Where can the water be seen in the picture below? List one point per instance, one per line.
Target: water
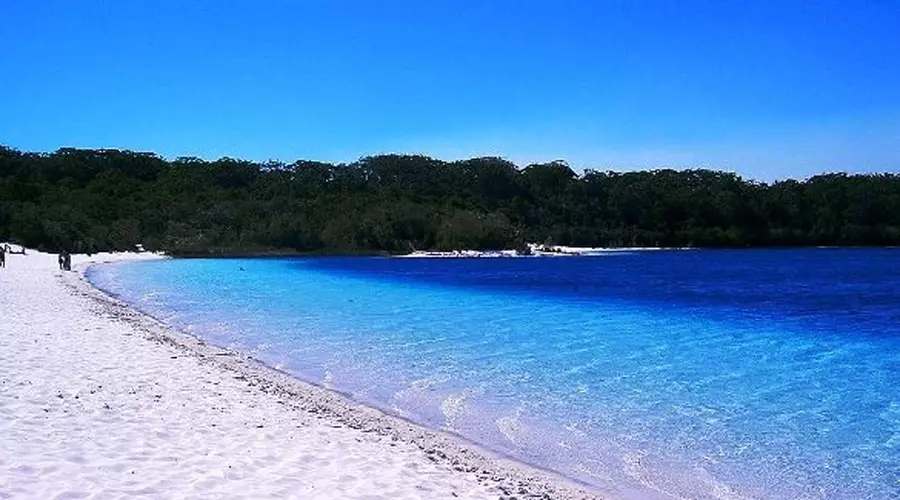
(696, 374)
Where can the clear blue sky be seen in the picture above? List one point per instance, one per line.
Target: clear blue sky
(768, 89)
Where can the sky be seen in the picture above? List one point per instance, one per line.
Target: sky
(768, 89)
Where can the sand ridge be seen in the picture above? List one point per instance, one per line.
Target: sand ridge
(100, 401)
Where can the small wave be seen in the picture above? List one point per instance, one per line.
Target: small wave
(415, 391)
(511, 427)
(452, 406)
(260, 348)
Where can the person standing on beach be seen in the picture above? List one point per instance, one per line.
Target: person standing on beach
(2, 255)
(64, 260)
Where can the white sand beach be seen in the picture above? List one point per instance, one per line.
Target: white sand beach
(534, 250)
(99, 401)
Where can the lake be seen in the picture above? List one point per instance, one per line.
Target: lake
(651, 374)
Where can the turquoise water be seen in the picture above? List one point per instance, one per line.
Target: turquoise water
(702, 374)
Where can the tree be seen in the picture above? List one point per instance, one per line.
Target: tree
(91, 200)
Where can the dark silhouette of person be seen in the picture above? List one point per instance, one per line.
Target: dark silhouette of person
(2, 255)
(68, 262)
(61, 260)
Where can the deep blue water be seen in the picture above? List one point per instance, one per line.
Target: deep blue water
(677, 374)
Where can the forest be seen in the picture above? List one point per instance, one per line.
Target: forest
(85, 200)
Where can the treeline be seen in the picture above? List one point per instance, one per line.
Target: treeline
(94, 200)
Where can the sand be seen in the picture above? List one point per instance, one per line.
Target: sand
(99, 401)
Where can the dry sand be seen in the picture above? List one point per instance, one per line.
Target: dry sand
(99, 401)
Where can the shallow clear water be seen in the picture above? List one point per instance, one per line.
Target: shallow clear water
(696, 374)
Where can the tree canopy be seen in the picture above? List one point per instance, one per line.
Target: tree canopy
(88, 200)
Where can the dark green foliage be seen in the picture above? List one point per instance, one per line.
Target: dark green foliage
(92, 200)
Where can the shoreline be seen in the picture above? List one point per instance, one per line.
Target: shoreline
(534, 251)
(560, 251)
(507, 473)
(483, 472)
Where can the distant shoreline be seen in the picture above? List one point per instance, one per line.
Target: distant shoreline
(469, 253)
(536, 251)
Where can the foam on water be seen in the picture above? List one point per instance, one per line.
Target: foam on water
(718, 375)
